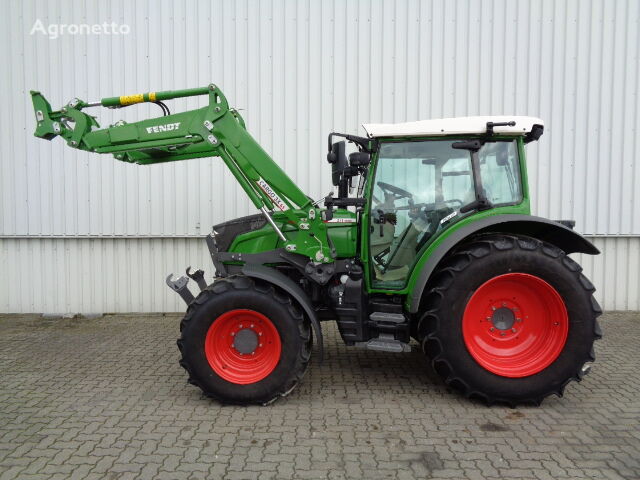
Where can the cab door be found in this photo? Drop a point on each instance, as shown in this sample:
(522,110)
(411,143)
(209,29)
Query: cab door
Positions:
(417,188)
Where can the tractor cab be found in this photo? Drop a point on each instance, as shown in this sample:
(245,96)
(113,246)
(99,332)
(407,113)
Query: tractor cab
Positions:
(427,176)
(422,187)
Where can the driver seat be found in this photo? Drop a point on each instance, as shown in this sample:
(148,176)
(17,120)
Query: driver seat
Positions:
(392,275)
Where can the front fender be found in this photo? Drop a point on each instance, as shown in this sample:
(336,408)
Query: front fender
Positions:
(283,282)
(537,227)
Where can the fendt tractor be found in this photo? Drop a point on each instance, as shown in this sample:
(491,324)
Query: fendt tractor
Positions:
(427,236)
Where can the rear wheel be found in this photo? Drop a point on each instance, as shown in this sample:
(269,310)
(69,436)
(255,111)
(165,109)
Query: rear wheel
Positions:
(244,342)
(509,319)
(515,325)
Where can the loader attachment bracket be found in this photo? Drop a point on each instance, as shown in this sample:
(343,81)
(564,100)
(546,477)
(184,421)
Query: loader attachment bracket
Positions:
(69,122)
(180,287)
(198,277)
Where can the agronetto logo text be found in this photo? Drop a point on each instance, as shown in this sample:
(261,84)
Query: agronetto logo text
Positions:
(56,30)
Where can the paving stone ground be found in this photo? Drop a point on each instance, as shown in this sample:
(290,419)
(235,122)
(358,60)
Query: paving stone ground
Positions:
(106,398)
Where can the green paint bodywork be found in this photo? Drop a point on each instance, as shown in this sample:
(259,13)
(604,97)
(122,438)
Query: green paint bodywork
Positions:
(217,130)
(343,236)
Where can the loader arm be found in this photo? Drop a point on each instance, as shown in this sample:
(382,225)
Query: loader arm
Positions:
(211,131)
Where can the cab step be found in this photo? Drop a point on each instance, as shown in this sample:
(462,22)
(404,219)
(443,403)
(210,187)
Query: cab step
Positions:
(385,343)
(387,317)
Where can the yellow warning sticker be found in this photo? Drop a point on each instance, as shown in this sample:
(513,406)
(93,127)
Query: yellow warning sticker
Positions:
(131,99)
(152,96)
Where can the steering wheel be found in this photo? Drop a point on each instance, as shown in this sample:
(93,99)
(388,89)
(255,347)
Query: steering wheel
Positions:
(387,187)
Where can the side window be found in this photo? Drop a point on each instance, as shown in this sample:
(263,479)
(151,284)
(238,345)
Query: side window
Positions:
(418,190)
(499,169)
(457,182)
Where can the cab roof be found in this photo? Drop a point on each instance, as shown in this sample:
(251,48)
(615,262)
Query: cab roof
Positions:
(454,126)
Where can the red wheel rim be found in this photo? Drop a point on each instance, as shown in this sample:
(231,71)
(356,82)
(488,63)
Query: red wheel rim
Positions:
(515,325)
(242,346)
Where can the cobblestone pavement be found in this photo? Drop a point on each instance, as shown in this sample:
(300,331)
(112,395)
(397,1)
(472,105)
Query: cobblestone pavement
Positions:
(105,398)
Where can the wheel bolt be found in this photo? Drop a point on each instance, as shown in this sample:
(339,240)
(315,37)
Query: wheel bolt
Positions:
(240,325)
(493,308)
(233,333)
(260,345)
(504,304)
(518,319)
(513,330)
(252,325)
(260,334)
(253,353)
(502,334)
(556,323)
(492,329)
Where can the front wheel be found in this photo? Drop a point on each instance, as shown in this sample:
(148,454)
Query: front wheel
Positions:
(509,319)
(244,342)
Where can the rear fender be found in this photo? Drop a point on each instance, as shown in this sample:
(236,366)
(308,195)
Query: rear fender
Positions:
(541,228)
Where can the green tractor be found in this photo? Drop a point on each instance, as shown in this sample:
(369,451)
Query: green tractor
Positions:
(427,236)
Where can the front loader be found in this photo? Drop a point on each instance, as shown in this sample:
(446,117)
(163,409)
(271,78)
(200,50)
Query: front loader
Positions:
(427,239)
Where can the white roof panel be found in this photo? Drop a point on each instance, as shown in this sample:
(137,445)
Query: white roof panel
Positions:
(452,126)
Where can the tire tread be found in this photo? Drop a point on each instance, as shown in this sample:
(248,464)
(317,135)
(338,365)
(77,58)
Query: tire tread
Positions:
(478,247)
(240,282)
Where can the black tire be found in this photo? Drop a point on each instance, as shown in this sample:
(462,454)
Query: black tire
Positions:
(470,266)
(240,292)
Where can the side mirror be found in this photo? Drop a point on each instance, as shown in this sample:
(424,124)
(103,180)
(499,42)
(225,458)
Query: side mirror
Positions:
(359,159)
(339,163)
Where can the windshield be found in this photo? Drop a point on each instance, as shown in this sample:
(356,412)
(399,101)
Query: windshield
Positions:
(418,190)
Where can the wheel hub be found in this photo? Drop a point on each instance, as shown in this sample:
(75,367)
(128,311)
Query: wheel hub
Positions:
(503,318)
(245,341)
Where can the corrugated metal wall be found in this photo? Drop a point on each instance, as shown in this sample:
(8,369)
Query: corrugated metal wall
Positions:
(300,69)
(127,275)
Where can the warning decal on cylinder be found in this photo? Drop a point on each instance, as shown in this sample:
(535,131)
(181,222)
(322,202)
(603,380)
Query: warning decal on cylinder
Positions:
(131,99)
